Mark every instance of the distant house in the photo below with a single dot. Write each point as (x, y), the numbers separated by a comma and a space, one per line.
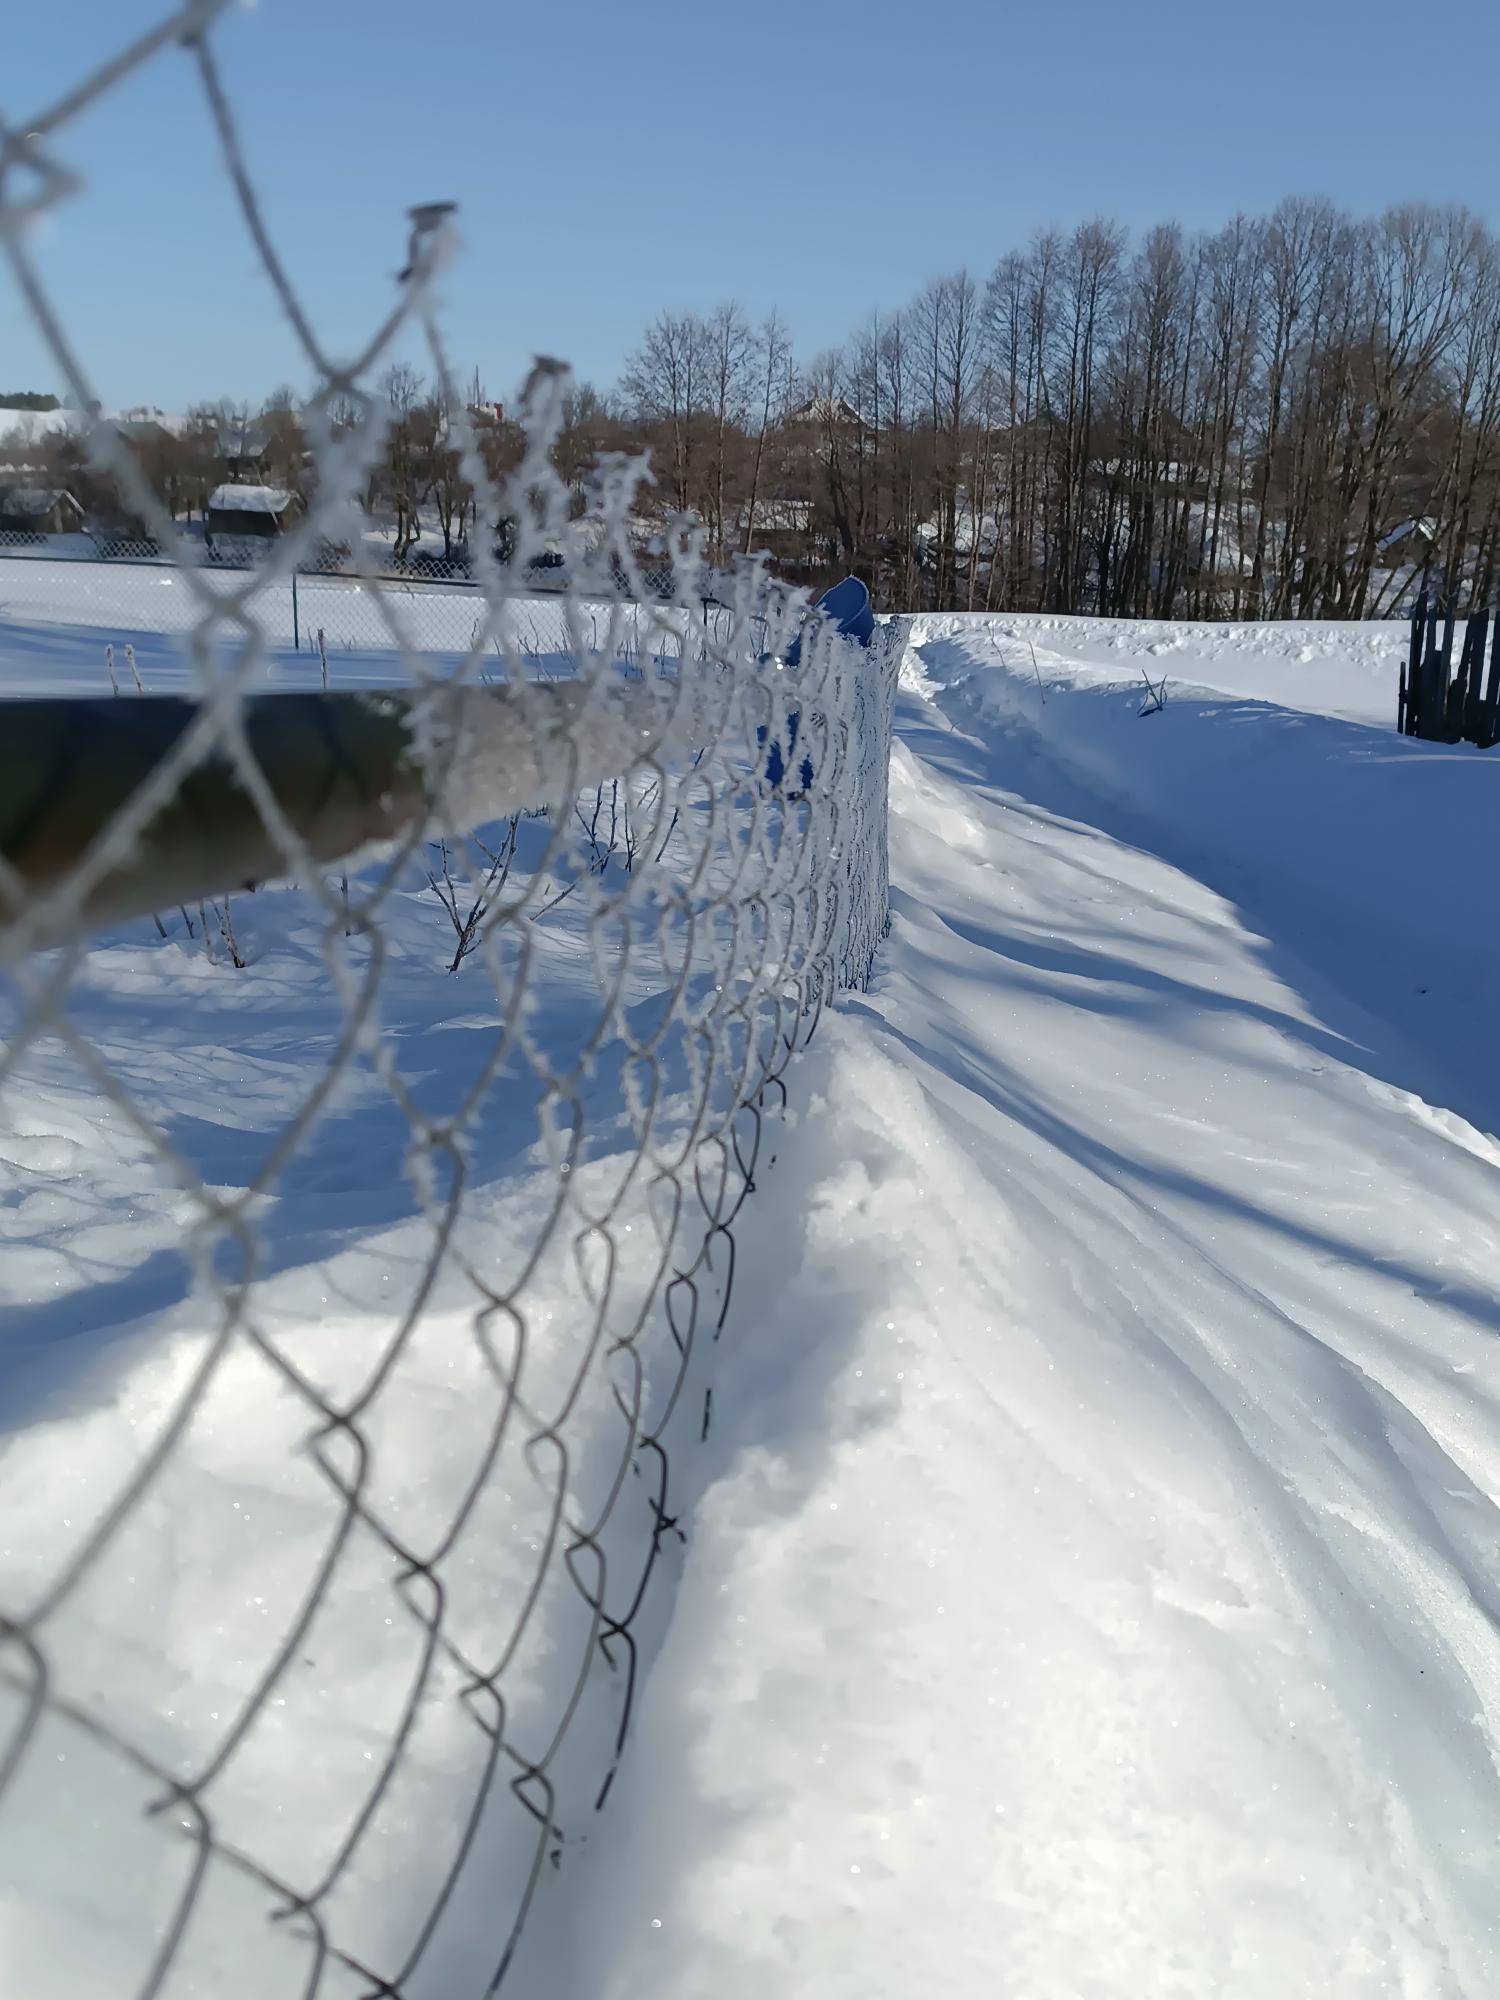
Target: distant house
(249, 513)
(781, 527)
(777, 517)
(38, 510)
(1410, 542)
(827, 413)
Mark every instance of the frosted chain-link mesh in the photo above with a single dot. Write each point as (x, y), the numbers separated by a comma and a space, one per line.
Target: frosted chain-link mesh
(360, 1318)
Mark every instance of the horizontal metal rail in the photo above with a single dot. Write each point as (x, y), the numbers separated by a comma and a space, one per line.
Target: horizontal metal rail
(113, 808)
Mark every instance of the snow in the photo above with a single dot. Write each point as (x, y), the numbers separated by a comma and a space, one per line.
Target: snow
(1424, 530)
(1346, 670)
(777, 516)
(1093, 1582)
(1097, 1592)
(180, 1605)
(31, 499)
(31, 427)
(249, 500)
(58, 615)
(171, 1628)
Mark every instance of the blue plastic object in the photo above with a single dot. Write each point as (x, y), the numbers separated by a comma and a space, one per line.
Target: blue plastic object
(848, 605)
(775, 768)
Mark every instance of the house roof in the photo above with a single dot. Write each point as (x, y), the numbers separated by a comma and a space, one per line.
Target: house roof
(1426, 529)
(142, 428)
(825, 410)
(33, 501)
(249, 500)
(147, 415)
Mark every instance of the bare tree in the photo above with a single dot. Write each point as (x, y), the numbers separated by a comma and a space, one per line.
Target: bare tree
(402, 387)
(774, 374)
(1247, 421)
(664, 385)
(728, 345)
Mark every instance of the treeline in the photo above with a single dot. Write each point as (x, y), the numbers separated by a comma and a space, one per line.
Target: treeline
(415, 488)
(415, 491)
(1291, 417)
(1296, 416)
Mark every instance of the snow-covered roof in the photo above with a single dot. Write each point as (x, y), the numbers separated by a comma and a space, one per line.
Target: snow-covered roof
(826, 410)
(1170, 472)
(33, 500)
(249, 500)
(1427, 529)
(966, 527)
(141, 427)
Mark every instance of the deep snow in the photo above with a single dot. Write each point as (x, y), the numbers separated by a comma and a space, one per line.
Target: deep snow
(1337, 669)
(1098, 1595)
(1093, 1587)
(463, 1205)
(57, 617)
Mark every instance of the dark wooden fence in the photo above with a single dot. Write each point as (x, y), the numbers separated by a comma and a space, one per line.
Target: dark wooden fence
(1436, 702)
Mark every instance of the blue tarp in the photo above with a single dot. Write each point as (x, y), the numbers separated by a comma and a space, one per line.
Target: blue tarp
(848, 605)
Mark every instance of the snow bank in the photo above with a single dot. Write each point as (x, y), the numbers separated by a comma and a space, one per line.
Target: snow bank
(1098, 1593)
(345, 1571)
(172, 1624)
(1095, 1588)
(56, 617)
(1338, 669)
(1371, 855)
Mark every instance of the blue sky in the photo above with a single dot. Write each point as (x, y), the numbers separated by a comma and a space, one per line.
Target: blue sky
(825, 156)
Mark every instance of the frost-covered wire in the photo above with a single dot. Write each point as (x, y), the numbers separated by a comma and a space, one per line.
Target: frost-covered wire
(454, 1643)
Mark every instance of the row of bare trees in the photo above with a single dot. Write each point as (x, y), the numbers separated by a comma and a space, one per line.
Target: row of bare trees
(715, 395)
(1294, 416)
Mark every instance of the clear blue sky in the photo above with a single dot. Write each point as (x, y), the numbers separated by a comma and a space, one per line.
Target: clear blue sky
(826, 156)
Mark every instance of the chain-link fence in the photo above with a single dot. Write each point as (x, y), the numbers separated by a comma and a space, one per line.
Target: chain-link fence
(545, 574)
(156, 609)
(385, 1063)
(316, 612)
(237, 551)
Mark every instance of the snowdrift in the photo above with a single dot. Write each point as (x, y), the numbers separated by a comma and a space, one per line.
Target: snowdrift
(1098, 1592)
(1377, 853)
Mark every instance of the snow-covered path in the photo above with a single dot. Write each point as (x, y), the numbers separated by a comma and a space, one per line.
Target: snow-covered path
(1099, 1592)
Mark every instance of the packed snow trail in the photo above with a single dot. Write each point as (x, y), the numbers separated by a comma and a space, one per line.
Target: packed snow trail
(1098, 1592)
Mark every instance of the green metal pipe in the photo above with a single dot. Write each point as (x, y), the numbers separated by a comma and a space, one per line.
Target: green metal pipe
(341, 767)
(345, 769)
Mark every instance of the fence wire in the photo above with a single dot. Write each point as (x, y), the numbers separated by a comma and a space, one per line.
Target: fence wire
(303, 617)
(384, 1069)
(129, 595)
